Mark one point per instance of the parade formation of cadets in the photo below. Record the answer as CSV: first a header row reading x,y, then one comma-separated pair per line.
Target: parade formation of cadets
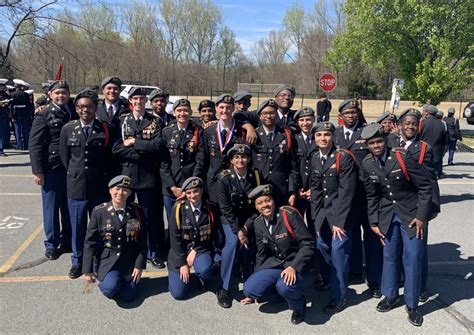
x,y
268,197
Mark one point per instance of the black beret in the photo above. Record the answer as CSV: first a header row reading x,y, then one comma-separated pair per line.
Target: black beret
x,y
87,93
192,182
304,111
241,95
159,93
206,104
410,112
120,181
111,80
349,104
386,116
227,98
41,101
58,84
266,103
323,126
239,149
282,88
439,114
430,109
260,191
451,110
181,102
137,90
372,130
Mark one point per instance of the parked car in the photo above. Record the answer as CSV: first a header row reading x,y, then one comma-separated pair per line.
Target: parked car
x,y
469,112
126,90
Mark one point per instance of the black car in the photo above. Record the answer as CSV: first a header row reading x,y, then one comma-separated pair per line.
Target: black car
x,y
469,112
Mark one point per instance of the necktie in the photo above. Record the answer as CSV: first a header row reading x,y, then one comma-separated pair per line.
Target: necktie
x,y
381,162
120,214
224,135
270,137
323,160
242,181
284,119
308,141
402,144
110,111
348,136
87,131
269,226
138,121
197,212
181,134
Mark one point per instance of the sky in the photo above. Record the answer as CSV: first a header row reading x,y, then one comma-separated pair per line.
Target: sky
x,y
251,20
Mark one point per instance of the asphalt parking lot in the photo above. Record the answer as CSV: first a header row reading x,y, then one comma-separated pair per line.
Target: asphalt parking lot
x,y
37,296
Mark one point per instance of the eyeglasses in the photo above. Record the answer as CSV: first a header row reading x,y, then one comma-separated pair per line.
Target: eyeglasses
x,y
268,114
84,107
349,113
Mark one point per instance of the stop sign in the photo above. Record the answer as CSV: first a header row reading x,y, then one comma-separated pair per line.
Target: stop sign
x,y
327,82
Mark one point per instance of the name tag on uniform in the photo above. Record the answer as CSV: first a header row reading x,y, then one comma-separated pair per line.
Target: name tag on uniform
x,y
375,179
280,236
395,171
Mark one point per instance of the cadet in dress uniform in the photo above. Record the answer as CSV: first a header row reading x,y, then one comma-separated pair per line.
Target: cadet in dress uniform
x,y
333,189
137,145
109,110
273,154
389,122
433,132
192,230
21,111
219,138
304,147
116,237
399,205
49,172
4,116
159,100
454,134
242,104
285,97
348,137
84,148
421,152
284,251
233,187
207,112
183,154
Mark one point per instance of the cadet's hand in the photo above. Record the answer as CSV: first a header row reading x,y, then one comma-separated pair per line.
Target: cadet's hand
x,y
207,124
308,194
301,193
291,200
289,276
191,257
251,137
248,301
377,232
177,192
128,142
90,277
338,232
38,179
184,273
420,227
243,239
136,275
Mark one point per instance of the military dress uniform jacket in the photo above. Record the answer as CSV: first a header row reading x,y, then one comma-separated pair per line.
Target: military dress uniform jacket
x,y
44,139
234,204
21,106
452,124
85,159
333,188
414,151
113,242
183,156
139,161
216,161
280,248
104,116
276,161
433,132
356,144
303,157
187,234
389,191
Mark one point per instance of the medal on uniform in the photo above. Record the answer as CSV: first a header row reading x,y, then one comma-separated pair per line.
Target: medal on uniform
x,y
223,142
191,146
133,230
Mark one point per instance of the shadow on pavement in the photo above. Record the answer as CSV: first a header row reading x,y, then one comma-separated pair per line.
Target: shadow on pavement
x,y
445,199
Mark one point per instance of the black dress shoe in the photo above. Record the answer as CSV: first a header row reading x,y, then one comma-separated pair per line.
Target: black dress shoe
x,y
355,277
64,249
320,285
223,298
157,263
424,296
374,292
387,304
335,306
414,316
297,317
75,272
51,254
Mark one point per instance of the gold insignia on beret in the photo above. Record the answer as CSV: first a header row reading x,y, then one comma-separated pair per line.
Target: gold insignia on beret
x,y
126,181
353,103
61,82
227,98
114,79
266,189
240,149
271,102
327,125
195,182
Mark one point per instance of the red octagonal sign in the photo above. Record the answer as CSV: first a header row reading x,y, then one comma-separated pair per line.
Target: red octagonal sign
x,y
327,82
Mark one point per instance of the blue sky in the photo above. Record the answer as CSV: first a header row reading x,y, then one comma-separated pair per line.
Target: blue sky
x,y
251,20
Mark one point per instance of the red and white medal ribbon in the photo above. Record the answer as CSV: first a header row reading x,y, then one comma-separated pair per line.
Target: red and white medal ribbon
x,y
230,134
